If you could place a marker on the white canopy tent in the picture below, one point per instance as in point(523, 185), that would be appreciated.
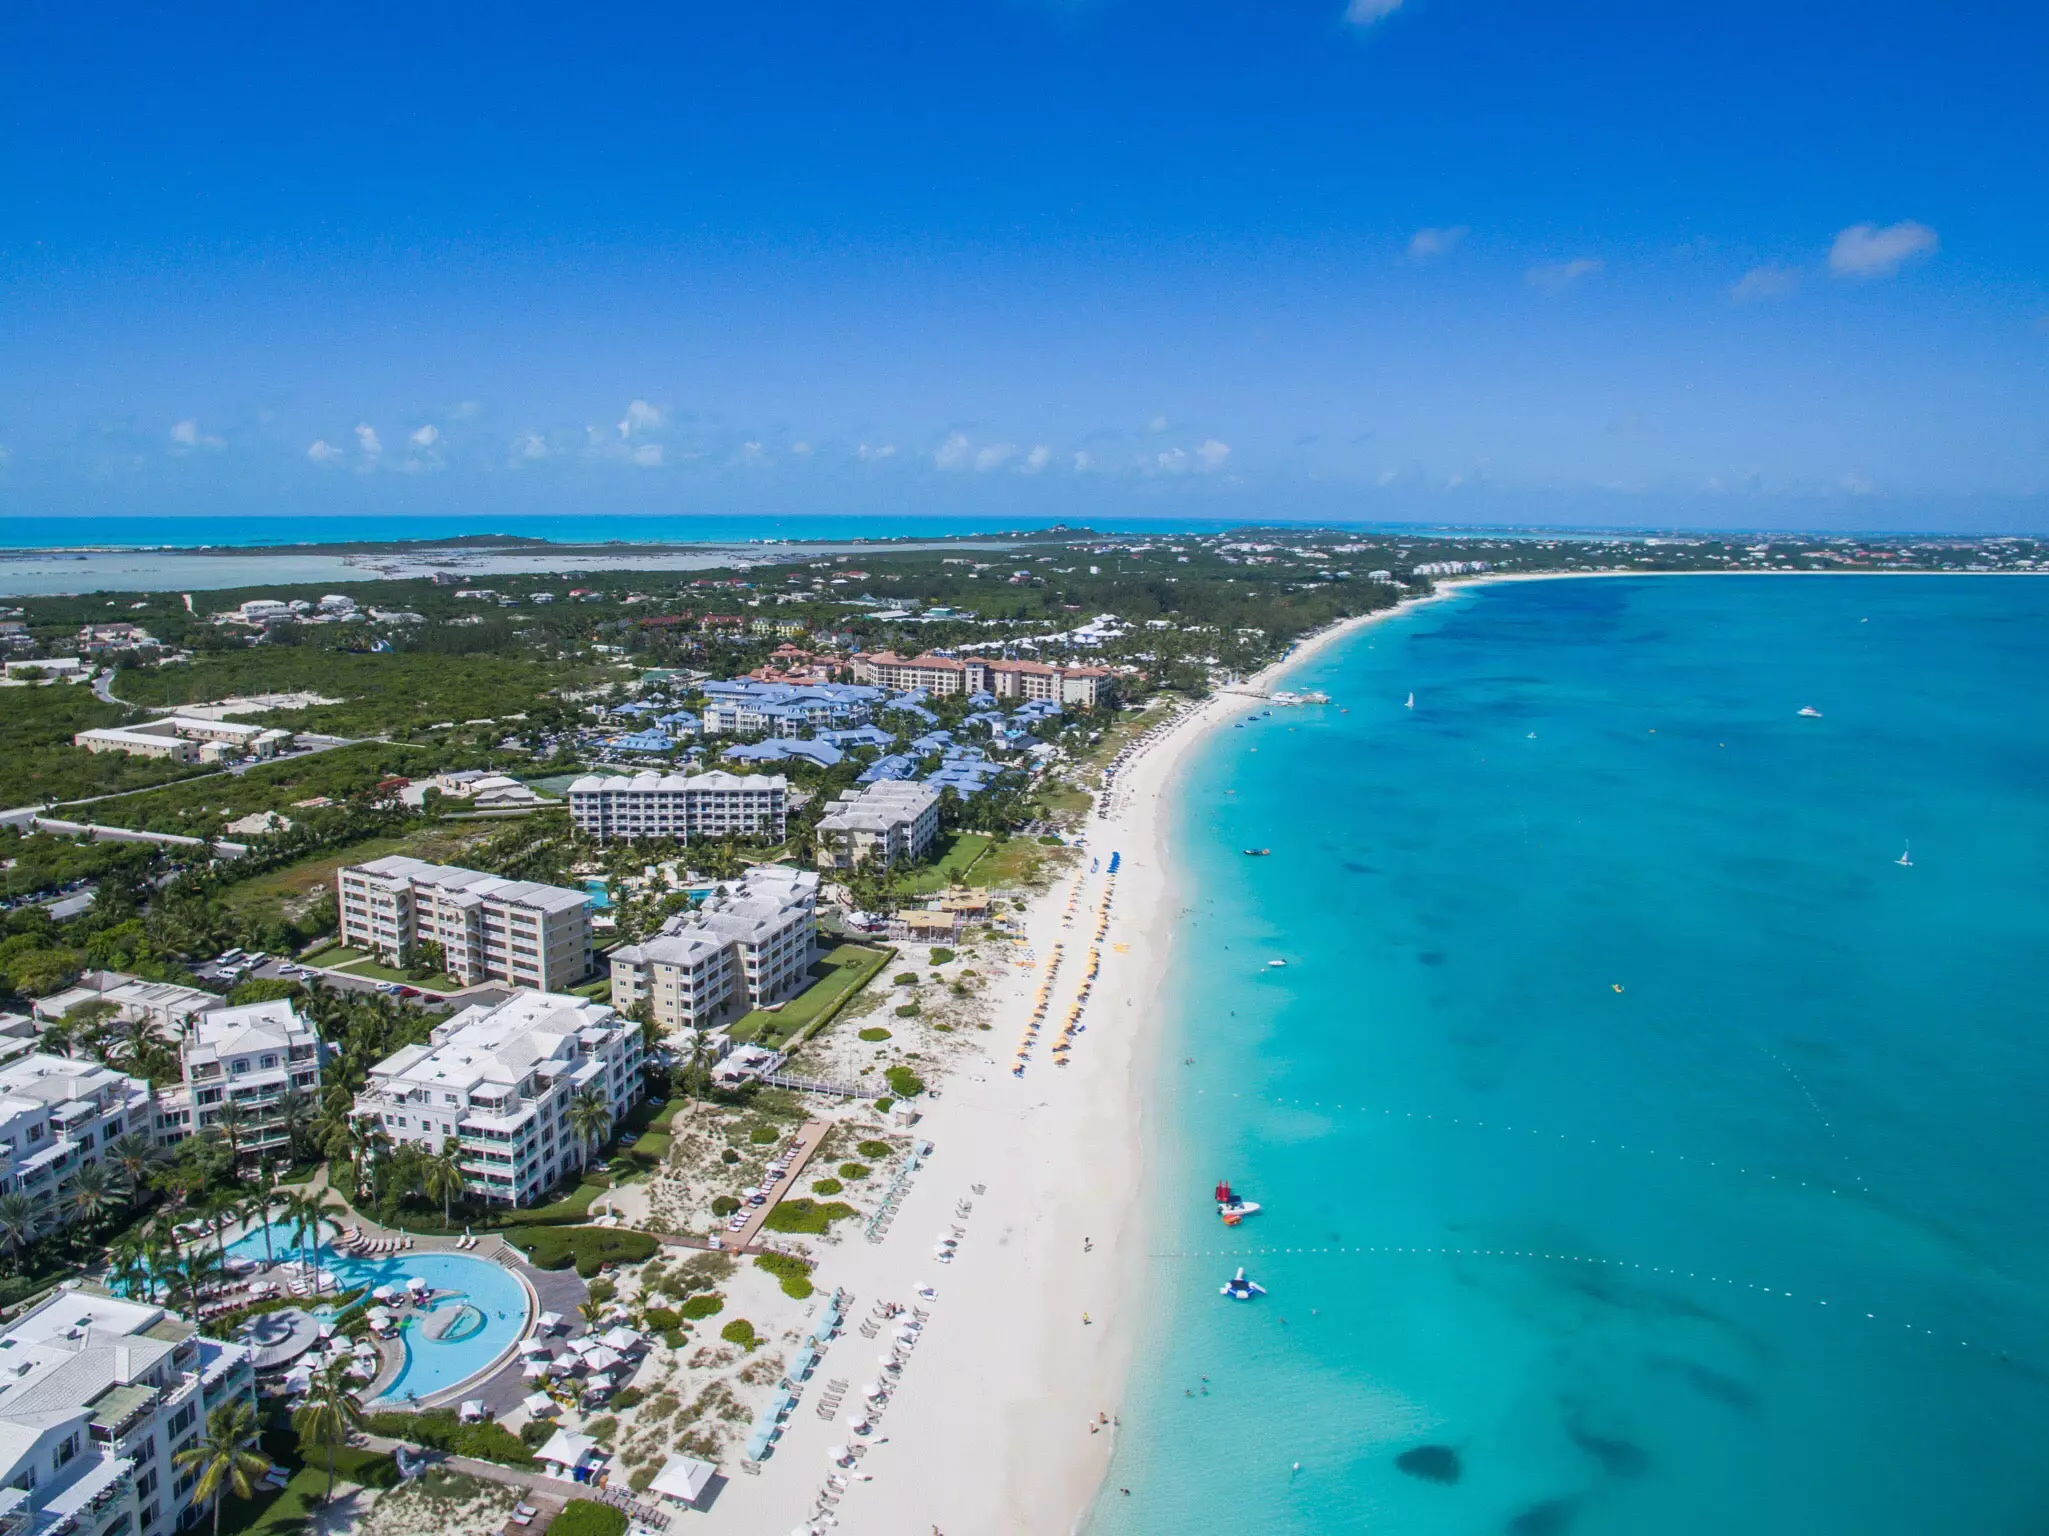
point(683, 1479)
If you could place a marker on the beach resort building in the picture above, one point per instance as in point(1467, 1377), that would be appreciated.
point(499, 1079)
point(165, 1004)
point(973, 674)
point(57, 1113)
point(255, 1057)
point(750, 945)
point(881, 823)
point(681, 806)
point(97, 1398)
point(186, 739)
point(489, 929)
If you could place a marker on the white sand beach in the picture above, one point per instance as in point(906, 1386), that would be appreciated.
point(1004, 1415)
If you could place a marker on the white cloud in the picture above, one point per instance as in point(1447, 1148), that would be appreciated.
point(1426, 243)
point(323, 452)
point(530, 446)
point(1157, 424)
point(953, 453)
point(801, 450)
point(1083, 462)
point(1765, 283)
point(995, 456)
point(1865, 250)
point(884, 451)
point(466, 410)
point(1389, 476)
point(640, 417)
point(1363, 13)
point(185, 436)
point(648, 455)
point(1036, 460)
point(1174, 461)
point(1210, 457)
point(752, 453)
point(427, 436)
point(1561, 275)
point(366, 439)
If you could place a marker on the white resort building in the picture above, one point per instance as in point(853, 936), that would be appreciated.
point(750, 945)
point(256, 1057)
point(500, 1079)
point(186, 739)
point(882, 824)
point(56, 1113)
point(488, 928)
point(97, 1396)
point(678, 805)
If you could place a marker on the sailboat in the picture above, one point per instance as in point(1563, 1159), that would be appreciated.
point(1411, 704)
point(1906, 859)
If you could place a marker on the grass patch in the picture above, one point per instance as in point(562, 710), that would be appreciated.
point(841, 973)
point(826, 1186)
point(903, 1082)
point(874, 1034)
point(587, 1517)
point(698, 1308)
point(963, 854)
point(741, 1332)
point(269, 895)
point(874, 1149)
point(588, 1248)
point(441, 1430)
point(855, 1170)
point(806, 1216)
point(794, 1277)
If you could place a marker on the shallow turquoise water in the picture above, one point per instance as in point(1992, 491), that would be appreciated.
point(432, 1365)
point(1821, 1080)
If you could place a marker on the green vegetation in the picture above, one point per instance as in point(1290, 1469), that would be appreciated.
point(907, 1011)
point(764, 1136)
point(587, 1517)
point(903, 1082)
point(697, 1308)
point(38, 761)
point(842, 972)
point(724, 1205)
point(855, 1170)
point(441, 1430)
point(874, 1149)
point(941, 955)
point(588, 1248)
point(741, 1332)
point(793, 1274)
point(874, 1034)
point(806, 1216)
point(826, 1186)
point(904, 979)
point(962, 853)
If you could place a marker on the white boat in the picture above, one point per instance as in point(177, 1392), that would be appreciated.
point(1411, 704)
point(1277, 963)
point(1906, 859)
point(1238, 1288)
point(1231, 1207)
point(1811, 712)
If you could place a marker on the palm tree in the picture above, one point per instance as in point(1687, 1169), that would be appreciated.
point(195, 1270)
point(92, 1192)
point(295, 1118)
point(330, 1412)
point(134, 1154)
point(441, 1178)
point(20, 1222)
point(223, 1459)
point(231, 1120)
point(129, 1267)
point(256, 1208)
point(589, 1117)
point(307, 1214)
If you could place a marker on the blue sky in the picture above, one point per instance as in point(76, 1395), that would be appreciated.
point(1446, 259)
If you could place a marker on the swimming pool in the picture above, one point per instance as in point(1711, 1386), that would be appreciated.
point(432, 1364)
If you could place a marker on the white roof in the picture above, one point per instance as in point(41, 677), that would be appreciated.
point(684, 1478)
point(640, 783)
point(567, 1448)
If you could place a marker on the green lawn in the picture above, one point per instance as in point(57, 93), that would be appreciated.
point(953, 865)
point(269, 894)
point(841, 973)
point(377, 971)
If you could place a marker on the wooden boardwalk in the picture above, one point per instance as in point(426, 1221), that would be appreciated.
point(808, 1141)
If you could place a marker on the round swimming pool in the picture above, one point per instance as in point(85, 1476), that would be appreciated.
point(466, 1344)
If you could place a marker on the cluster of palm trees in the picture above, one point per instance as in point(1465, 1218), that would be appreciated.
point(88, 1198)
point(224, 1459)
point(132, 1045)
point(154, 1262)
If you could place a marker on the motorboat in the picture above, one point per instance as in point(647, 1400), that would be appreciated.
point(1257, 853)
point(1811, 712)
point(1238, 1288)
point(1231, 1207)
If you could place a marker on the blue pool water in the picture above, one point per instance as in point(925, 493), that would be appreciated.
point(432, 1365)
point(598, 892)
point(1634, 1129)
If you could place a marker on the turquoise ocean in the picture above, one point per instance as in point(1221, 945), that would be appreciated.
point(1637, 1140)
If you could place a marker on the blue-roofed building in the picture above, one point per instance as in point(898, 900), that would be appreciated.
point(678, 722)
point(981, 698)
point(641, 741)
point(964, 779)
point(859, 736)
point(915, 711)
point(895, 766)
point(823, 753)
point(930, 742)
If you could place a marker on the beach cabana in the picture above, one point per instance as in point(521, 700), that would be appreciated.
point(623, 1339)
point(602, 1358)
point(539, 1404)
point(570, 1456)
point(548, 1322)
point(472, 1411)
point(683, 1480)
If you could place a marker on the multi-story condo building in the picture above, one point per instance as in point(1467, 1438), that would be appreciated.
point(165, 1004)
point(499, 1079)
point(749, 945)
point(97, 1397)
point(186, 739)
point(57, 1113)
point(256, 1057)
point(975, 674)
point(683, 806)
point(881, 823)
point(488, 929)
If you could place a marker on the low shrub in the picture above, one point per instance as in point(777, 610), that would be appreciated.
point(794, 1277)
point(603, 1429)
point(588, 1248)
point(741, 1332)
point(826, 1186)
point(676, 1338)
point(941, 955)
point(904, 1083)
point(627, 1397)
point(641, 1478)
point(700, 1307)
point(807, 1216)
point(724, 1205)
point(661, 1320)
point(764, 1136)
point(729, 1157)
point(855, 1170)
point(874, 1033)
point(441, 1430)
point(366, 1469)
point(905, 979)
point(535, 1433)
point(587, 1517)
point(873, 1149)
point(907, 1011)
